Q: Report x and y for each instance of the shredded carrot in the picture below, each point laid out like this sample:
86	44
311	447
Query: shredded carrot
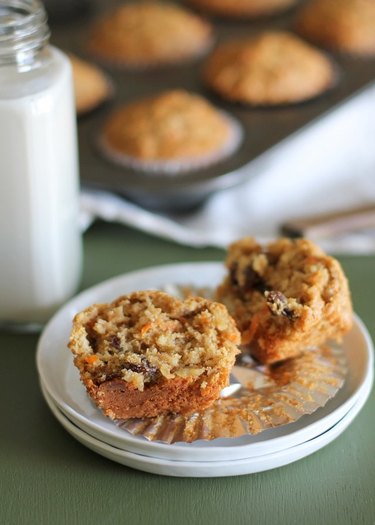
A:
90	359
145	328
247	335
232	336
312	259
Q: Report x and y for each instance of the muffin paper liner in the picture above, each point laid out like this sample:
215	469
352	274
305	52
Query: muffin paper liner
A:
258	397
262	398
177	166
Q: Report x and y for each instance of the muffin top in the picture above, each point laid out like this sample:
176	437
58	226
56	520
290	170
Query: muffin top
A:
274	67
91	85
240	8
149	33
289	275
344	25
172	125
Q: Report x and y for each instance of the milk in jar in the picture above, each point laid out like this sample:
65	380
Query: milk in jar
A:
40	241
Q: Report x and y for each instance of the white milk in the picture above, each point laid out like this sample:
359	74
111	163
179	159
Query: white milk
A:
40	244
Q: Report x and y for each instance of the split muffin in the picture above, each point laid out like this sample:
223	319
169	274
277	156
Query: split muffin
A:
347	26
285	297
149	34
272	68
148	353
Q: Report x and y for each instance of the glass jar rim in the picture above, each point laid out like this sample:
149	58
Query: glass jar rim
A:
23	28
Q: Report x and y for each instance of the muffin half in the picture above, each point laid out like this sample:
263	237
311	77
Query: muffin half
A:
285	297
148	353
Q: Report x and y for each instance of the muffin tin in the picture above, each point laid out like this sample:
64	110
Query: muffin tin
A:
264	128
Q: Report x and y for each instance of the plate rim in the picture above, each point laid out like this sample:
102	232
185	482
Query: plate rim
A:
175	467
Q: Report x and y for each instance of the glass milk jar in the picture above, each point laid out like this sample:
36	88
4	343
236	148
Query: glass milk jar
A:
40	242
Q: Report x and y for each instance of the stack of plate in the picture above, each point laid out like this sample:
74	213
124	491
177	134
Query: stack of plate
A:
273	448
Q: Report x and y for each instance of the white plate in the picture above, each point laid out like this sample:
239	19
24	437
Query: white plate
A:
205	469
61	379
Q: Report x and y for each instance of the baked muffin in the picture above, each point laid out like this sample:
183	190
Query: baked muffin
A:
149	33
242	8
91	85
148	353
285	297
272	68
342	25
172	131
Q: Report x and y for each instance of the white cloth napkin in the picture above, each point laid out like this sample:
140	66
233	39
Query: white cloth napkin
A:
328	166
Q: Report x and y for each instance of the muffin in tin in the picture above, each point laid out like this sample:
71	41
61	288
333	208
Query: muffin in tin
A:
271	68
286	297
347	26
172	132
242	8
148	353
149	34
92	86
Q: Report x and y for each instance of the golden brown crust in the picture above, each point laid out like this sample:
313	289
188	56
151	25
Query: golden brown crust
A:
242	8
91	85
285	297
149	33
119	400
272	68
171	125
148	353
343	25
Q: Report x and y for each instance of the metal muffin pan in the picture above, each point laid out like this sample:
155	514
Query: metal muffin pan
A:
264	128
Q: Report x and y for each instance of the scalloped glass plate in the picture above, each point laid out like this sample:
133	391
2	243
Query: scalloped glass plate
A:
60	378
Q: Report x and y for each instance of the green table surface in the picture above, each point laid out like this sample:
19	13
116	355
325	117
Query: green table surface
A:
47	477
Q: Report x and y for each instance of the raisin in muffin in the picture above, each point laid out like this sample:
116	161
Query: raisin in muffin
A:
149	33
242	8
272	68
343	25
285	297
148	353
91	85
172	131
